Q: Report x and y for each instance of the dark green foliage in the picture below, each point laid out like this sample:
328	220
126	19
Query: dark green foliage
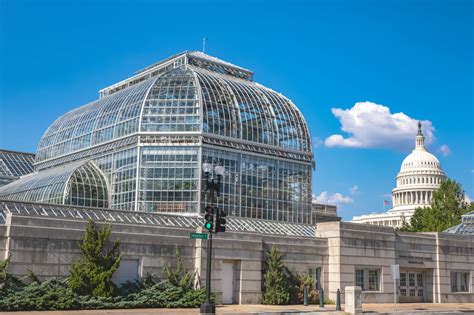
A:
92	274
275	285
179	276
282	286
446	208
32	277
3	272
165	294
177	290
305	280
8	281
52	294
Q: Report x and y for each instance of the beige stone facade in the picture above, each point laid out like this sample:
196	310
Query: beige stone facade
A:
342	252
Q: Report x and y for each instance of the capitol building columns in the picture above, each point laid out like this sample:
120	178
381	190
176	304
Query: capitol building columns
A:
420	174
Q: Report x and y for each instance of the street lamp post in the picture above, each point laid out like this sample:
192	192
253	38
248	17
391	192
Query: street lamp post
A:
212	189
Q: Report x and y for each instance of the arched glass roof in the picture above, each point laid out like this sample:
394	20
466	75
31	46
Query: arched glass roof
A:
184	99
97	122
80	183
465	227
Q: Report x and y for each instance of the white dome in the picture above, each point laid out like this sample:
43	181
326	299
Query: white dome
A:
420	159
420	175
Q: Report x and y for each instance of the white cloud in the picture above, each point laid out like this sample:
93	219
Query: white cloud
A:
444	150
332	199
371	125
354	190
387	195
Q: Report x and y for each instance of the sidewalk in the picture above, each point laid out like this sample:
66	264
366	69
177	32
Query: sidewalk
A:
405	309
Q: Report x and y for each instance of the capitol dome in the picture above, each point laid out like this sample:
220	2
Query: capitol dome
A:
420	174
420	159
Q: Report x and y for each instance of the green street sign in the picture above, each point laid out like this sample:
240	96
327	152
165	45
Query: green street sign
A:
201	236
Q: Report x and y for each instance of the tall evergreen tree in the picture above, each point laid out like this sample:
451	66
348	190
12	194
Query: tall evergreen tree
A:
92	273
179	276
445	210
275	288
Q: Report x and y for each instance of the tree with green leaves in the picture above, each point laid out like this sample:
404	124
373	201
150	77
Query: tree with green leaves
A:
275	288
92	273
445	210
179	276
3	272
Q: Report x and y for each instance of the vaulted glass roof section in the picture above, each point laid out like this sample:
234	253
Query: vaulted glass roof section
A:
80	183
154	219
466	227
16	164
101	121
187	93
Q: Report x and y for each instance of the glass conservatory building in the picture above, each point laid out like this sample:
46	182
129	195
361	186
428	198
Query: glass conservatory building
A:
141	145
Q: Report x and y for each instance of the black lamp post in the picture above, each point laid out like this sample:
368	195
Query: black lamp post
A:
212	189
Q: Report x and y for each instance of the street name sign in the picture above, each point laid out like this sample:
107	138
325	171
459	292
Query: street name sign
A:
202	236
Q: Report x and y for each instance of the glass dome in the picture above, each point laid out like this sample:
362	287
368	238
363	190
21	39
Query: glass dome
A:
80	184
149	134
182	100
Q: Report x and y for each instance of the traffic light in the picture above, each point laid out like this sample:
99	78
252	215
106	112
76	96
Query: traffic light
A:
220	221
209	217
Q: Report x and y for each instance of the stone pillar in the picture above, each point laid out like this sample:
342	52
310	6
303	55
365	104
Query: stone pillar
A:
353	303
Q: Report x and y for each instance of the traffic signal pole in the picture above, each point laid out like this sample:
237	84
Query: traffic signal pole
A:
208	307
212	226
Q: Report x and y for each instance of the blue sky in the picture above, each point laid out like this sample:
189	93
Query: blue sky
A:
413	57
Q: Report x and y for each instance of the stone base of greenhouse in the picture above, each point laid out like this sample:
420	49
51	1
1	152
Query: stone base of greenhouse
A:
434	267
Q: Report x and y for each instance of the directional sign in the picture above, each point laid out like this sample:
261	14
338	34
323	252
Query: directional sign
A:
395	271
201	236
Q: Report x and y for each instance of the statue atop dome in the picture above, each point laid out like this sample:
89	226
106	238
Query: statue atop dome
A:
419	129
420	138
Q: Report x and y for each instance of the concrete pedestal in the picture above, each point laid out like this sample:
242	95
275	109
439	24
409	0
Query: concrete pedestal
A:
353	303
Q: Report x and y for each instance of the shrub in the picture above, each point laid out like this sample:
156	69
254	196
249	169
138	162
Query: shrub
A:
275	285
90	286
52	294
92	274
179	276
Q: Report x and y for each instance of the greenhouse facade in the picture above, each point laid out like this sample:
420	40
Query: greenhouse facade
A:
141	145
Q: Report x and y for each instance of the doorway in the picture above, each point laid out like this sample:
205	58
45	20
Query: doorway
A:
412	286
228	281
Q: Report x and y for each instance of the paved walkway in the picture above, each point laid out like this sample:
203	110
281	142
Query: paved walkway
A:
405	309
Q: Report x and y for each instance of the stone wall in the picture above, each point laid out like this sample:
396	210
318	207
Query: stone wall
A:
355	246
48	246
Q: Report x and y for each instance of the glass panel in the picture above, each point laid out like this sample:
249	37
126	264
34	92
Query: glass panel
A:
172	104
412	292
465	282
411	279
419	279
262	188
360	279
169	179
373	280
403	279
103	120
453	282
